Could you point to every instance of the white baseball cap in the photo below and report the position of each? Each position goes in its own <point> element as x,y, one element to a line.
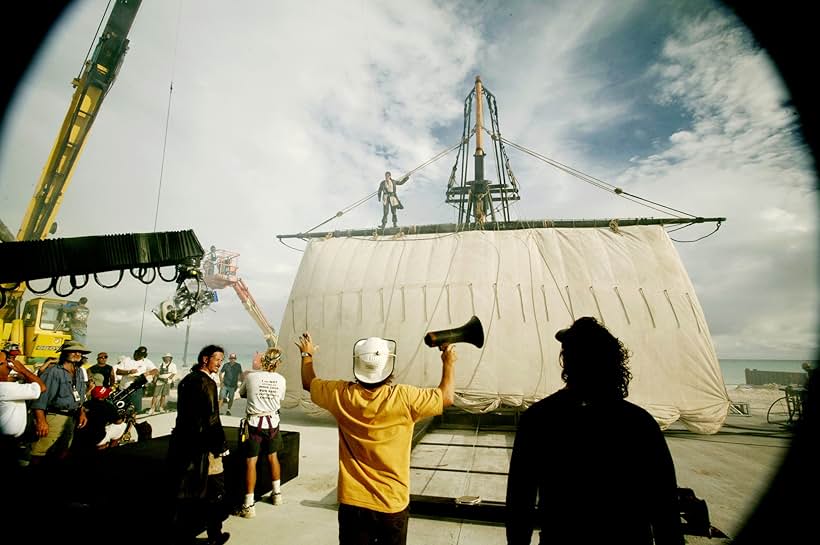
<point>373,359</point>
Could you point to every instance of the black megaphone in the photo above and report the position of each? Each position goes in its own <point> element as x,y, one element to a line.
<point>472,332</point>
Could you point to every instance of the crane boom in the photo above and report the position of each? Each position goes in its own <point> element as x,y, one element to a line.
<point>250,305</point>
<point>220,271</point>
<point>91,88</point>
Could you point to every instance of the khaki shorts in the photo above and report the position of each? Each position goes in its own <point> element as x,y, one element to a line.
<point>59,438</point>
<point>162,388</point>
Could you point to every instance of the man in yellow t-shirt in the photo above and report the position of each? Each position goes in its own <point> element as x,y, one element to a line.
<point>375,419</point>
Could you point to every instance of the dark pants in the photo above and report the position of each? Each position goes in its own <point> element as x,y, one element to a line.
<point>360,526</point>
<point>136,400</point>
<point>389,208</point>
<point>193,514</point>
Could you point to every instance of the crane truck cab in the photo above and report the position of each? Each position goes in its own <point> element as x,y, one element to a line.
<point>40,332</point>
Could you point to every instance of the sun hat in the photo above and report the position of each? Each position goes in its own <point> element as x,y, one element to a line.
<point>373,360</point>
<point>74,346</point>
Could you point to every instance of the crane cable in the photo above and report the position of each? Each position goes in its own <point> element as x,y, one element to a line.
<point>94,39</point>
<point>162,162</point>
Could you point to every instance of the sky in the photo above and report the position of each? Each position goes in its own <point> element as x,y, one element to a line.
<point>283,114</point>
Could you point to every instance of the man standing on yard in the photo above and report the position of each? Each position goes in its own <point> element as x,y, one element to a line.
<point>229,377</point>
<point>388,197</point>
<point>375,419</point>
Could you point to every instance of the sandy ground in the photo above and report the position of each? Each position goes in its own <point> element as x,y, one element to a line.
<point>759,398</point>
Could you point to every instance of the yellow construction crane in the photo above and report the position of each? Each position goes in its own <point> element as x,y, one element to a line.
<point>37,329</point>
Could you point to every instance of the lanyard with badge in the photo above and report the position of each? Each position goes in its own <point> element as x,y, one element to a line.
<point>74,391</point>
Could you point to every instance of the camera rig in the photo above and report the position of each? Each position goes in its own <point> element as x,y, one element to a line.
<point>191,296</point>
<point>121,398</point>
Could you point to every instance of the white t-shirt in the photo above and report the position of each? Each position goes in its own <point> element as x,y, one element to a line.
<point>265,392</point>
<point>141,366</point>
<point>113,431</point>
<point>13,410</point>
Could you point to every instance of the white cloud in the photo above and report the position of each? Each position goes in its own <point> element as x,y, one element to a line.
<point>282,116</point>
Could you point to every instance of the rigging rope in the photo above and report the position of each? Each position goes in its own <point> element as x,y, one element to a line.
<point>598,182</point>
<point>363,200</point>
<point>495,134</point>
<point>715,230</point>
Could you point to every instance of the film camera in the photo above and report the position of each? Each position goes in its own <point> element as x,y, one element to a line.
<point>120,400</point>
<point>104,408</point>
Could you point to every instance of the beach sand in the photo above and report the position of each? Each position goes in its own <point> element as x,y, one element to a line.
<point>759,398</point>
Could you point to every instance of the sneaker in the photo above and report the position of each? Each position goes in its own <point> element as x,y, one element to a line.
<point>246,512</point>
<point>276,499</point>
<point>228,412</point>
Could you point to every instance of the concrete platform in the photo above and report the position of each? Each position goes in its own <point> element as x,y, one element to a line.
<point>730,470</point>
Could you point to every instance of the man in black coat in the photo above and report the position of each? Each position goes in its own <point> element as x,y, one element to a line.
<point>195,451</point>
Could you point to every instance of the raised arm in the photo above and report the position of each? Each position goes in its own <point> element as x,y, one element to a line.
<point>27,375</point>
<point>448,365</point>
<point>307,349</point>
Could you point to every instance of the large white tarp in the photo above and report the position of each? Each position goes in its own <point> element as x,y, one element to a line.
<point>524,285</point>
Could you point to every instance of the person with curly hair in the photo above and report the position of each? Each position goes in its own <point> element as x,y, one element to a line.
<point>598,465</point>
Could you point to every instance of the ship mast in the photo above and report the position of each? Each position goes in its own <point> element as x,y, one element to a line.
<point>479,198</point>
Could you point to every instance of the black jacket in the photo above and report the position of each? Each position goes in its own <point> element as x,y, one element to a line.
<point>602,473</point>
<point>197,432</point>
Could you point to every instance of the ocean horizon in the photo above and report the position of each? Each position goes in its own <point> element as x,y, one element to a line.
<point>734,370</point>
